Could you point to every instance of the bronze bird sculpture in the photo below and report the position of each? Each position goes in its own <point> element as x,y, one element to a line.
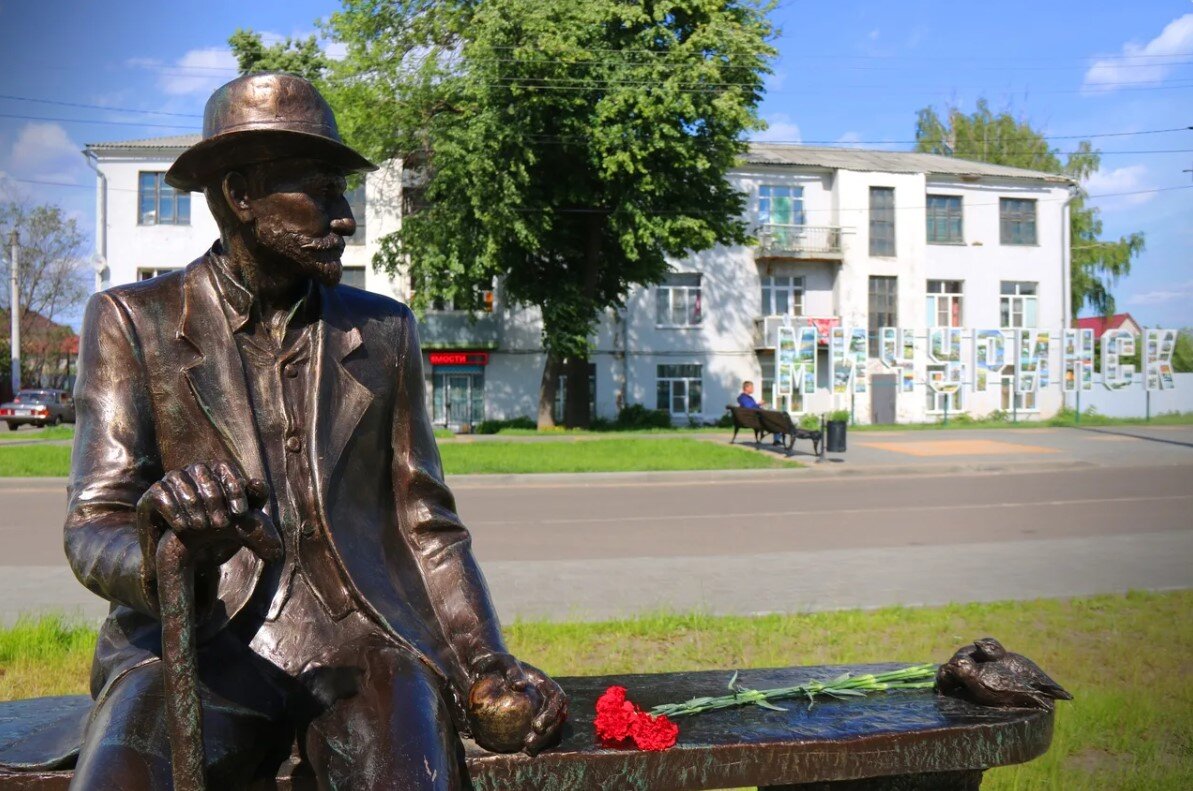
<point>986,673</point>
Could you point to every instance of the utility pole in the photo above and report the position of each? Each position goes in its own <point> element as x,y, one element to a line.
<point>14,311</point>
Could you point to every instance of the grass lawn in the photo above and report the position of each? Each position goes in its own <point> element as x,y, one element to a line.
<point>26,435</point>
<point>1124,658</point>
<point>34,461</point>
<point>599,455</point>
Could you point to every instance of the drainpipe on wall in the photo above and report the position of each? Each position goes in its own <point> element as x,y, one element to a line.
<point>101,219</point>
<point>1066,257</point>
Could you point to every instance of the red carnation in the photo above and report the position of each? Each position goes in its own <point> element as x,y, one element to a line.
<point>653,733</point>
<point>618,719</point>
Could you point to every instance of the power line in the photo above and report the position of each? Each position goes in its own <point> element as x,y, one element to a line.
<point>192,127</point>
<point>97,106</point>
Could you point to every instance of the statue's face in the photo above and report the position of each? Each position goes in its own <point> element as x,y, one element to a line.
<point>300,217</point>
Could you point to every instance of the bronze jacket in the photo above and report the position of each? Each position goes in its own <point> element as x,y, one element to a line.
<point>161,386</point>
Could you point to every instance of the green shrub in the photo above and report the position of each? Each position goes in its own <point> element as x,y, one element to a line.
<point>840,415</point>
<point>494,426</point>
<point>636,416</point>
<point>809,421</point>
<point>726,421</point>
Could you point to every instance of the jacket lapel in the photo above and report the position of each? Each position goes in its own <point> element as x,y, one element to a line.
<point>340,400</point>
<point>214,372</point>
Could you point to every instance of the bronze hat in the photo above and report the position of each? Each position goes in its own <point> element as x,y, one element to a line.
<point>258,117</point>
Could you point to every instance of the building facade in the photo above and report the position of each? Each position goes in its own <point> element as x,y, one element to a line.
<point>849,238</point>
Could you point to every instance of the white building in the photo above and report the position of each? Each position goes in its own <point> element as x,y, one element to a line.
<point>859,238</point>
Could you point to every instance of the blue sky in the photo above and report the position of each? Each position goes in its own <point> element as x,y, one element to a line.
<point>848,73</point>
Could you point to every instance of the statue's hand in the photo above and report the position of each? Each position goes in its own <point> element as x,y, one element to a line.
<point>513,706</point>
<point>213,511</point>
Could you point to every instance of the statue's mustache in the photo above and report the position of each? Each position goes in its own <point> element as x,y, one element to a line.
<point>332,241</point>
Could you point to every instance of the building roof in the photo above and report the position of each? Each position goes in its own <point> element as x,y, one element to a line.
<point>759,154</point>
<point>1099,324</point>
<point>148,143</point>
<point>887,162</point>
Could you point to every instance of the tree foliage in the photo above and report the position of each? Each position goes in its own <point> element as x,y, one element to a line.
<point>296,56</point>
<point>566,149</point>
<point>51,282</point>
<point>983,135</point>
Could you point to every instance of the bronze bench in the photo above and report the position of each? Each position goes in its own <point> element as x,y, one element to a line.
<point>894,740</point>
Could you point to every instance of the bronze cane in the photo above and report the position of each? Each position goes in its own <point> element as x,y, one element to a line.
<point>184,713</point>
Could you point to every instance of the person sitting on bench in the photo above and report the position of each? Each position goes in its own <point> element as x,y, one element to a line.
<point>746,400</point>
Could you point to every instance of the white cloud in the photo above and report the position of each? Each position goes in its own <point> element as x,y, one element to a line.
<point>1129,178</point>
<point>199,71</point>
<point>336,50</point>
<point>874,34</point>
<point>1179,291</point>
<point>42,147</point>
<point>779,128</point>
<point>1148,62</point>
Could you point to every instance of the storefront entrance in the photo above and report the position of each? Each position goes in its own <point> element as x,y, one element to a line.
<point>457,388</point>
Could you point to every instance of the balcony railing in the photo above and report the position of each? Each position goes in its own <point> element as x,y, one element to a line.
<point>459,330</point>
<point>816,242</point>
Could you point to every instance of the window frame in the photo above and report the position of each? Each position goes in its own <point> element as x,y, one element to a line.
<point>873,323</point>
<point>935,219</point>
<point>162,191</point>
<point>882,219</point>
<point>766,215</point>
<point>1012,295</point>
<point>680,294</point>
<point>953,300</point>
<point>1013,220</point>
<point>686,378</point>
<point>795,288</point>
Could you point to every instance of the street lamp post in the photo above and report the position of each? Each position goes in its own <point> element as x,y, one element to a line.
<point>14,310</point>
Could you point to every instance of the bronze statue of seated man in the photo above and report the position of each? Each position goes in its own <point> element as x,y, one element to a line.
<point>271,423</point>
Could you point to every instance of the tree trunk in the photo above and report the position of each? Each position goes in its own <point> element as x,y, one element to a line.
<point>576,411</point>
<point>547,388</point>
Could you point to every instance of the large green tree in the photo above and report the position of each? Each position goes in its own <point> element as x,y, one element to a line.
<point>565,149</point>
<point>297,56</point>
<point>999,138</point>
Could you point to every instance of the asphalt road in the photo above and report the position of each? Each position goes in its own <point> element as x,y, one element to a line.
<point>610,546</point>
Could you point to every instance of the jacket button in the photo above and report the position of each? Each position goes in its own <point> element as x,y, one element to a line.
<point>293,444</point>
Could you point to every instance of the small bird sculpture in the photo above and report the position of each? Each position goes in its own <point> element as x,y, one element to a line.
<point>988,674</point>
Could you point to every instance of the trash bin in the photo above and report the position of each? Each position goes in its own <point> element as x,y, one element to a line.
<point>835,441</point>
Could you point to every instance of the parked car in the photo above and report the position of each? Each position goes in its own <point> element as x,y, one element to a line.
<point>38,407</point>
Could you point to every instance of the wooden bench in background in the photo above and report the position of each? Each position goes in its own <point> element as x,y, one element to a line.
<point>910,741</point>
<point>772,421</point>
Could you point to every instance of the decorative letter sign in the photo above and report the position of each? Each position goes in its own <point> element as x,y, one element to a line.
<point>1078,369</point>
<point>1117,344</point>
<point>847,360</point>
<point>1031,366</point>
<point>989,357</point>
<point>944,347</point>
<point>795,361</point>
<point>1158,348</point>
<point>897,350</point>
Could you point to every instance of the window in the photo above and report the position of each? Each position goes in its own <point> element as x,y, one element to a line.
<point>146,272</point>
<point>1017,221</point>
<point>457,395</point>
<point>161,204</point>
<point>356,202</point>
<point>353,276</point>
<point>944,219</point>
<point>782,295</point>
<point>767,388</point>
<point>779,205</point>
<point>478,299</point>
<point>944,303</point>
<point>1017,304</point>
<point>884,308</point>
<point>882,221</point>
<point>680,388</point>
<point>677,300</point>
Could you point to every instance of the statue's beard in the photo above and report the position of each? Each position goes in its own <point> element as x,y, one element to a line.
<point>315,257</point>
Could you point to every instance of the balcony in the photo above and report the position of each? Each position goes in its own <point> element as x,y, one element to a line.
<point>799,242</point>
<point>459,330</point>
